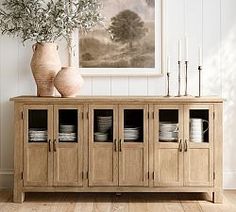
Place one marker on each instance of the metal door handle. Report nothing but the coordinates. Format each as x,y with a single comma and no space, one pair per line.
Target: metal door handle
54,145
49,145
180,145
120,148
185,145
115,142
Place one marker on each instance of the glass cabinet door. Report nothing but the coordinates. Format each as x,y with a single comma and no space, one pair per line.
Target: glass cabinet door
198,145
68,125
37,126
103,125
133,125
133,145
168,145
67,145
38,134
103,145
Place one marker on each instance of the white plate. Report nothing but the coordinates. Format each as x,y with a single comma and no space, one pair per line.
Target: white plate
168,139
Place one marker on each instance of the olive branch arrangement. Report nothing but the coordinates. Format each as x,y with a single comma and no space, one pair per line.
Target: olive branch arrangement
38,21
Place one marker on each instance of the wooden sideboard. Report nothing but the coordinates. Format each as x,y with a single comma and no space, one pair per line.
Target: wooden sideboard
113,144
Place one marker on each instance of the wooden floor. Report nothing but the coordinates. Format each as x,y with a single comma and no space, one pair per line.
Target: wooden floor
97,202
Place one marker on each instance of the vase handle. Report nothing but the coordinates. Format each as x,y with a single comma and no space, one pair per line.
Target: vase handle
34,47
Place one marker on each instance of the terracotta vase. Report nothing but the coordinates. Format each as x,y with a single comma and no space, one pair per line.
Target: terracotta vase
68,82
45,64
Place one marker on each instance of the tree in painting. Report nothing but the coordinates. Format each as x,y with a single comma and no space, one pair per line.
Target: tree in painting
127,27
151,3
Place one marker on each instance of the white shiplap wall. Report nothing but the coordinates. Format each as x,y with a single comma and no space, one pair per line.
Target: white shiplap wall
207,23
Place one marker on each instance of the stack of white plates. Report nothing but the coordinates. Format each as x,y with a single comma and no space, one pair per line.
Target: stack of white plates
168,131
131,133
67,136
38,134
67,132
99,136
104,123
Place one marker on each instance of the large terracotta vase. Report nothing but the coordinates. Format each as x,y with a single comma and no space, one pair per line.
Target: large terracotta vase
45,64
68,82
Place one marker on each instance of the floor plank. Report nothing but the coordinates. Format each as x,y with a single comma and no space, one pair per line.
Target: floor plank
109,202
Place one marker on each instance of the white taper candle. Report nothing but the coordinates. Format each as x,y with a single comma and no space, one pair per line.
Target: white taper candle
186,48
168,64
179,50
200,56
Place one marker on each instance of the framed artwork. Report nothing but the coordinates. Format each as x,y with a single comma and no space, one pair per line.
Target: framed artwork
131,42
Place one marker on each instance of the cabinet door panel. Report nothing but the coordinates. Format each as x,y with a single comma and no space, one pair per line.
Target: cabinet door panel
170,167
103,152
103,166
168,145
38,157
132,170
68,170
133,150
198,162
68,144
198,156
36,164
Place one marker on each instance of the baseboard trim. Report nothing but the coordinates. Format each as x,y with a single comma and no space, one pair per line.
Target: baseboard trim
6,179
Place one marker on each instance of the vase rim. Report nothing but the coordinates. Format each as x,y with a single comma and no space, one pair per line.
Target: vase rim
46,43
68,66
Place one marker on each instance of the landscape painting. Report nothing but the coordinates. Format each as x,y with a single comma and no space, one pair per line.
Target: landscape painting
126,42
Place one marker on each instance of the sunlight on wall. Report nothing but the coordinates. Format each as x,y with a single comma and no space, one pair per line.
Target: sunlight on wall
228,54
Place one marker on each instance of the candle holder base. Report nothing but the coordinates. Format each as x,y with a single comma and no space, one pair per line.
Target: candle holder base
188,96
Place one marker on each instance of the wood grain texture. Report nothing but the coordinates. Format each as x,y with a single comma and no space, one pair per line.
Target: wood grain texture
133,156
115,99
68,157
122,168
199,156
109,202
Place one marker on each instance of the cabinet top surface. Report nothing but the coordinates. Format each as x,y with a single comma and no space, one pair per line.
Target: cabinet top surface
110,99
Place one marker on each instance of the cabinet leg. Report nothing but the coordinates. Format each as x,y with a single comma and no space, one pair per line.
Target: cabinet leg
18,196
217,197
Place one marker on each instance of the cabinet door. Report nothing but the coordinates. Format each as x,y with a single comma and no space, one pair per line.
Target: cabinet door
168,145
133,145
38,156
198,146
103,149
68,145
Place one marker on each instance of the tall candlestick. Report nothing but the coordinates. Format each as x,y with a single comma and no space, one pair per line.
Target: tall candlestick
179,78
199,56
199,81
179,50
186,48
168,84
186,78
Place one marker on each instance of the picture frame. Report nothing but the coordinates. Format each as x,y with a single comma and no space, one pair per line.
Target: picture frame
158,53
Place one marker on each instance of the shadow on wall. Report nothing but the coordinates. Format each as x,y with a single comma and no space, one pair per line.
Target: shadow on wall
228,53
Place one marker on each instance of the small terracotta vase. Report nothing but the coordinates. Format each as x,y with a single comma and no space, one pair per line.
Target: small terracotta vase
68,82
45,64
